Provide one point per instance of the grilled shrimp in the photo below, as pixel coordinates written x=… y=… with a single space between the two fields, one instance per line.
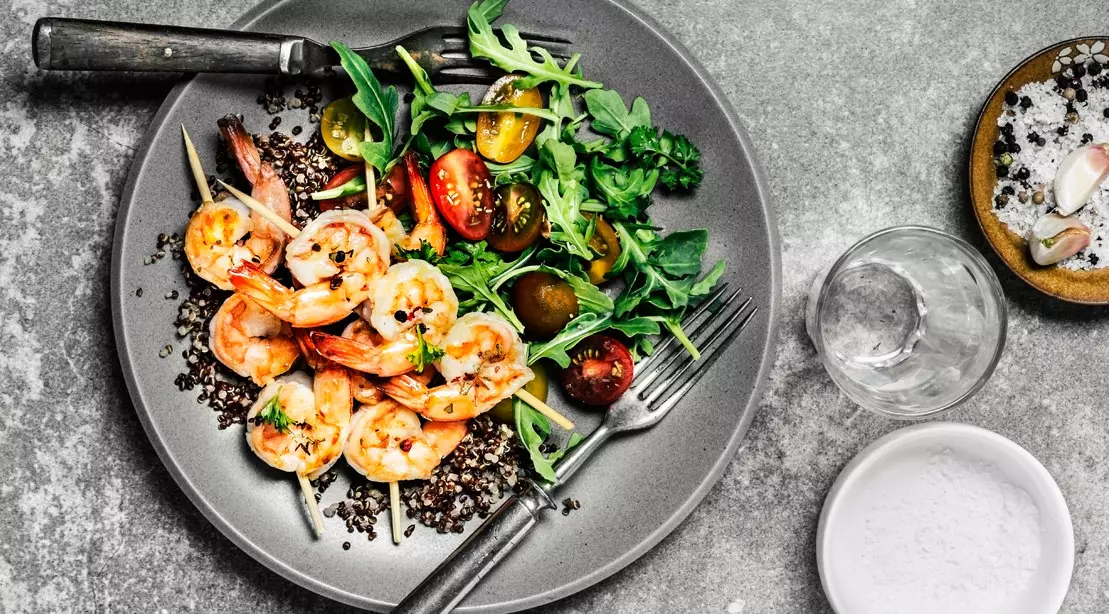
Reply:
x=388 y=443
x=336 y=258
x=300 y=424
x=483 y=361
x=412 y=294
x=225 y=233
x=429 y=226
x=251 y=341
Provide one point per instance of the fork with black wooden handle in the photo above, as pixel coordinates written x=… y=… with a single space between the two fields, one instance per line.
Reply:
x=660 y=382
x=80 y=44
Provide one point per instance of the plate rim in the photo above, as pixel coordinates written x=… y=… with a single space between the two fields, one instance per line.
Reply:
x=864 y=461
x=761 y=190
x=996 y=91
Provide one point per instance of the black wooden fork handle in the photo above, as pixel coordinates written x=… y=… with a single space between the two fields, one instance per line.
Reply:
x=80 y=44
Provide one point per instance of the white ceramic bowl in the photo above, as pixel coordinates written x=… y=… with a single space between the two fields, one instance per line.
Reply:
x=1047 y=586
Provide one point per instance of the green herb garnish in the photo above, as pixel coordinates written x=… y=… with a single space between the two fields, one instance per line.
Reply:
x=425 y=353
x=378 y=104
x=275 y=416
x=470 y=267
x=534 y=429
x=424 y=252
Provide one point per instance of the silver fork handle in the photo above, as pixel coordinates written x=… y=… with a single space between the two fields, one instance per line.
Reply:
x=487 y=546
x=81 y=44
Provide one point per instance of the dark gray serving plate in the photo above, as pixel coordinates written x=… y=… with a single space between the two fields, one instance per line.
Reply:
x=633 y=493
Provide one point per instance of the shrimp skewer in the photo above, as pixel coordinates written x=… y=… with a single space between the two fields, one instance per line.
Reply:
x=413 y=300
x=389 y=444
x=335 y=258
x=300 y=424
x=224 y=233
x=429 y=226
x=251 y=341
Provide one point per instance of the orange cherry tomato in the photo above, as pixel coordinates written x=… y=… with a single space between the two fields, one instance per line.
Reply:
x=504 y=136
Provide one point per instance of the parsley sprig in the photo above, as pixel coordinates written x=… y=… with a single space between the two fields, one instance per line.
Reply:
x=425 y=353
x=273 y=414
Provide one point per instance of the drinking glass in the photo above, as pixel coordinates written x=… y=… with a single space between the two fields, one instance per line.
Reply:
x=909 y=322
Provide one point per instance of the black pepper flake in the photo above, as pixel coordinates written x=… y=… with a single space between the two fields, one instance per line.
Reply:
x=410 y=530
x=400 y=316
x=1081 y=95
x=1000 y=147
x=1094 y=259
x=1008 y=189
x=1025 y=102
x=316 y=247
x=138 y=292
x=1002 y=171
x=297 y=130
x=1087 y=138
x=1094 y=69
x=1033 y=137
x=346 y=545
x=336 y=283
x=1021 y=175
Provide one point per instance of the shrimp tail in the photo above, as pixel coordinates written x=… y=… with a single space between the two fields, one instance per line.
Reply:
x=265 y=290
x=429 y=226
x=308 y=349
x=386 y=360
x=407 y=390
x=242 y=147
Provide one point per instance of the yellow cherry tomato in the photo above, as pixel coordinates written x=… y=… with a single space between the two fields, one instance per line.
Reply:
x=343 y=127
x=504 y=136
x=502 y=412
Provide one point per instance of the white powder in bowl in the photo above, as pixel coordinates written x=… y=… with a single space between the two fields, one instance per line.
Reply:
x=942 y=533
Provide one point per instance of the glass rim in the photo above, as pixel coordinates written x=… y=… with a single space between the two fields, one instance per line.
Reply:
x=995 y=288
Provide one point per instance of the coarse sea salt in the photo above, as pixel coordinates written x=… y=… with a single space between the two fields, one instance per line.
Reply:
x=943 y=533
x=1046 y=115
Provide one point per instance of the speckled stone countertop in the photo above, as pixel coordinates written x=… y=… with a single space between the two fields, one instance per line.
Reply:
x=860 y=112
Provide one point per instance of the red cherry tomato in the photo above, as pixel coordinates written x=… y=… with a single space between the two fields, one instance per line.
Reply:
x=392 y=192
x=463 y=193
x=600 y=371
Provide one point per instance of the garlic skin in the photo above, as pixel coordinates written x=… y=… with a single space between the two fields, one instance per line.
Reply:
x=1080 y=173
x=1054 y=237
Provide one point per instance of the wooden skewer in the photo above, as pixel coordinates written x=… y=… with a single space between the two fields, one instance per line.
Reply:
x=198 y=171
x=371 y=184
x=262 y=210
x=545 y=409
x=394 y=511
x=313 y=507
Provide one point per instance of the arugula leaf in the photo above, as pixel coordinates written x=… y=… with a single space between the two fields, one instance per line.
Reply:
x=583 y=326
x=424 y=252
x=611 y=117
x=425 y=353
x=564 y=213
x=591 y=299
x=470 y=267
x=491 y=10
x=677 y=157
x=517 y=56
x=274 y=415
x=377 y=104
x=534 y=429
x=356 y=185
x=708 y=282
x=679 y=254
x=626 y=190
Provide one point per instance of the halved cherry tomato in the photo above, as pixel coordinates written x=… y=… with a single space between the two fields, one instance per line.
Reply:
x=502 y=412
x=544 y=303
x=463 y=193
x=393 y=191
x=503 y=137
x=605 y=242
x=600 y=371
x=343 y=127
x=517 y=217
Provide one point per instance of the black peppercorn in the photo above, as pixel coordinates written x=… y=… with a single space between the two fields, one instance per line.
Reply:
x=1000 y=147
x=1002 y=171
x=401 y=316
x=1079 y=71
x=1014 y=147
x=1094 y=69
x=1009 y=189
x=1081 y=95
x=1033 y=137
x=1025 y=102
x=1011 y=98
x=1106 y=112
x=346 y=545
x=1022 y=174
x=1041 y=141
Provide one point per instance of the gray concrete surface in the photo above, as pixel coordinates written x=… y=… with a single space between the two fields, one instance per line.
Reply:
x=860 y=112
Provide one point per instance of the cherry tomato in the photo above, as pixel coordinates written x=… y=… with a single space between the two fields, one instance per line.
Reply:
x=604 y=241
x=600 y=371
x=517 y=217
x=544 y=303
x=503 y=137
x=343 y=127
x=502 y=412
x=393 y=191
x=463 y=193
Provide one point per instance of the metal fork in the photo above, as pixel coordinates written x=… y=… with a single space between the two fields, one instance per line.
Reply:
x=661 y=381
x=81 y=44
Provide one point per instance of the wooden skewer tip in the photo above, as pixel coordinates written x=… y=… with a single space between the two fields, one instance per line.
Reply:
x=394 y=511
x=262 y=210
x=310 y=501
x=198 y=171
x=545 y=409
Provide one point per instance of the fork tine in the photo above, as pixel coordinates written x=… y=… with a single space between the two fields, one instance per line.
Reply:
x=675 y=355
x=643 y=365
x=460 y=34
x=716 y=334
x=713 y=353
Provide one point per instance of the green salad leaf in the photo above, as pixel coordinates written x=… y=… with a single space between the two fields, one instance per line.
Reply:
x=378 y=104
x=583 y=326
x=534 y=430
x=611 y=117
x=517 y=56
x=470 y=267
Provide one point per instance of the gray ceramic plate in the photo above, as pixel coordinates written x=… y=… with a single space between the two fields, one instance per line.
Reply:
x=633 y=493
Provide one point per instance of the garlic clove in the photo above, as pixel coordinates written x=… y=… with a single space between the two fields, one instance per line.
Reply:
x=1054 y=237
x=1080 y=173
